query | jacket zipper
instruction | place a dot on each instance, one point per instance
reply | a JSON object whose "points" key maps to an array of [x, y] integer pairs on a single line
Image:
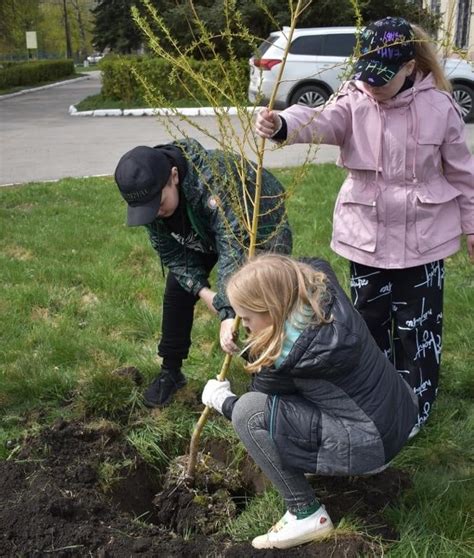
{"points": [[184, 244], [272, 415]]}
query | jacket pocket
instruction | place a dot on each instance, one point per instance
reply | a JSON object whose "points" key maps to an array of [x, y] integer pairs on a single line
{"points": [[437, 215], [431, 135], [428, 151], [273, 413], [355, 218]]}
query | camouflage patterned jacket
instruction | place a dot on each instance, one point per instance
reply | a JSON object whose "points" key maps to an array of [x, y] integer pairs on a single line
{"points": [[216, 206]]}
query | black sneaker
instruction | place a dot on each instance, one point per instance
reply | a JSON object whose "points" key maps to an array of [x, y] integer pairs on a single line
{"points": [[163, 387]]}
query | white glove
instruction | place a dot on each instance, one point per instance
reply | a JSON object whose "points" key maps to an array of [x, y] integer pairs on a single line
{"points": [[215, 393]]}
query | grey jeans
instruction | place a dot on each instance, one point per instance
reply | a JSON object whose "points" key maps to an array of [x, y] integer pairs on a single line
{"points": [[248, 421]]}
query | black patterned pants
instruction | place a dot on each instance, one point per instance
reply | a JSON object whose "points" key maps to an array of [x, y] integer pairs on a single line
{"points": [[403, 309]]}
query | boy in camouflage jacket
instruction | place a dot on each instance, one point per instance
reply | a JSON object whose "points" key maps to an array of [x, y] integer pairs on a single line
{"points": [[192, 202]]}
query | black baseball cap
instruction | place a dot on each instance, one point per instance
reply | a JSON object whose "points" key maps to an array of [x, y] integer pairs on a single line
{"points": [[385, 45], [141, 175]]}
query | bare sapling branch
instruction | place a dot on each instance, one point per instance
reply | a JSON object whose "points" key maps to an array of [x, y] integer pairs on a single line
{"points": [[195, 438]]}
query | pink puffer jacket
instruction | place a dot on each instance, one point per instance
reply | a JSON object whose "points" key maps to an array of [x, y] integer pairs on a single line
{"points": [[409, 194]]}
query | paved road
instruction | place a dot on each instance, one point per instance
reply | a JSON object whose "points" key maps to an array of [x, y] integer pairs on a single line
{"points": [[39, 140]]}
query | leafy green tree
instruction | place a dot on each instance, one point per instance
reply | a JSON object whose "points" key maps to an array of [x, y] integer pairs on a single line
{"points": [[17, 17], [80, 17], [46, 17], [114, 27], [52, 31], [413, 11], [327, 13], [263, 16]]}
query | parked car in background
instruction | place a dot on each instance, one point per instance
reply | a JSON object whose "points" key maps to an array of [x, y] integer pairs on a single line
{"points": [[95, 57], [461, 74], [317, 64]]}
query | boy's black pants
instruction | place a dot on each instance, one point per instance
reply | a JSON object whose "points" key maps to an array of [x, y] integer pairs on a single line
{"points": [[177, 318], [403, 309]]}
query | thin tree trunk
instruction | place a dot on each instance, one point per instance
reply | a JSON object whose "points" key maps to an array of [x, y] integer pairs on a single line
{"points": [[82, 31], [67, 31], [196, 435]]}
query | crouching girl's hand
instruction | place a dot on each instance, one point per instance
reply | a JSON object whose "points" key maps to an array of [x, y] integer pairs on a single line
{"points": [[215, 392]]}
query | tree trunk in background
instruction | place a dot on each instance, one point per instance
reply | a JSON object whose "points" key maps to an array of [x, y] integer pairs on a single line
{"points": [[68, 32], [82, 31]]}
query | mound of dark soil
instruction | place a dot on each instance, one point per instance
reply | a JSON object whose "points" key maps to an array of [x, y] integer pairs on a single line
{"points": [[58, 499]]}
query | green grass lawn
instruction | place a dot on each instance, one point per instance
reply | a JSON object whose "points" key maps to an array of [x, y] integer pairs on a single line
{"points": [[81, 296], [9, 90], [94, 102]]}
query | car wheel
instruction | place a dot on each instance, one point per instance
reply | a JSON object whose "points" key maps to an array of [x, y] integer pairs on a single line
{"points": [[309, 96], [464, 97]]}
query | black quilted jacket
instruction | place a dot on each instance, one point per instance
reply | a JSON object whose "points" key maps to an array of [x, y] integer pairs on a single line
{"points": [[336, 404]]}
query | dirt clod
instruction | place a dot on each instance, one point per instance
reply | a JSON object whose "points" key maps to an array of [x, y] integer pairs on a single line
{"points": [[186, 510], [210, 474], [203, 506], [129, 372]]}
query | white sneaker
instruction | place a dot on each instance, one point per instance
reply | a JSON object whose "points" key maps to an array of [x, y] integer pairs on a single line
{"points": [[290, 531]]}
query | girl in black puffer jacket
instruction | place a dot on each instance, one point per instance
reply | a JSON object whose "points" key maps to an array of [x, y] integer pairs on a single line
{"points": [[325, 399]]}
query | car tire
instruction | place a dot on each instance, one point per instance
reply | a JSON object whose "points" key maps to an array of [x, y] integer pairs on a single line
{"points": [[309, 96], [464, 96]]}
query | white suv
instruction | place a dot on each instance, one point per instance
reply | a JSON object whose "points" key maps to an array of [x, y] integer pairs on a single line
{"points": [[317, 64]]}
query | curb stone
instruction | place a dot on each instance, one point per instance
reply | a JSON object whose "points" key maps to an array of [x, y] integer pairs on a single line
{"points": [[198, 111]]}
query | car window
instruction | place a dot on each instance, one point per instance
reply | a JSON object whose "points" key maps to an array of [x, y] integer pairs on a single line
{"points": [[309, 44], [341, 44], [267, 43]]}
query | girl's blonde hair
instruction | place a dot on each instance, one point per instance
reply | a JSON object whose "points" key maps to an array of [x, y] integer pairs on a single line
{"points": [[426, 58], [280, 286]]}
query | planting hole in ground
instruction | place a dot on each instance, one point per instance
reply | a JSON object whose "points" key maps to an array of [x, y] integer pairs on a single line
{"points": [[78, 489]]}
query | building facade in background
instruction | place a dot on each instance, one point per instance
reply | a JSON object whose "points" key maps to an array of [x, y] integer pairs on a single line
{"points": [[458, 22]]}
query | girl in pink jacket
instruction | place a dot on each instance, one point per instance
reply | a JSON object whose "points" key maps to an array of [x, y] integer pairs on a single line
{"points": [[408, 196]]}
